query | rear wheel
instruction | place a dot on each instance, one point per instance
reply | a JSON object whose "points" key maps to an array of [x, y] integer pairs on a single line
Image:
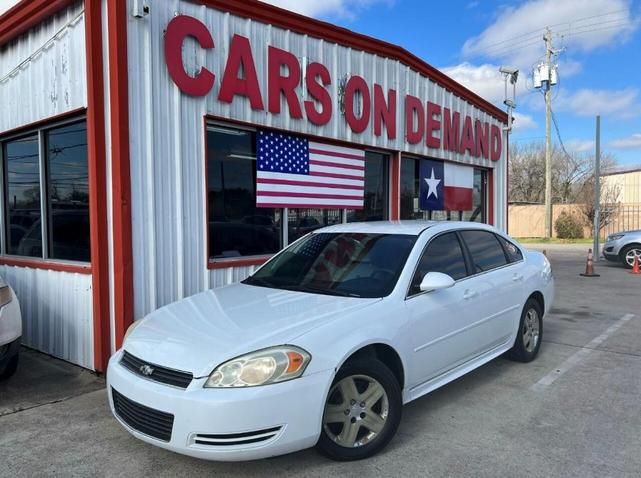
{"points": [[629, 253], [528, 339], [362, 411]]}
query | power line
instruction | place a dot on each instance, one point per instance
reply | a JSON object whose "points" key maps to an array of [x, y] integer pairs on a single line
{"points": [[536, 33]]}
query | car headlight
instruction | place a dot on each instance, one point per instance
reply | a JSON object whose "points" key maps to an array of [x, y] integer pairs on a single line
{"points": [[263, 367], [614, 237], [5, 295], [131, 328]]}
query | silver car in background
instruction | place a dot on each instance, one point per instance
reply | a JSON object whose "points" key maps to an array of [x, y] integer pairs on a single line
{"points": [[623, 247]]}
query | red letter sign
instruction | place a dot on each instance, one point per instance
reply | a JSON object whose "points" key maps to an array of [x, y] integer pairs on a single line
{"points": [[240, 59], [495, 140], [179, 28], [319, 93], [451, 129], [286, 85], [433, 124], [384, 111], [414, 132], [354, 84]]}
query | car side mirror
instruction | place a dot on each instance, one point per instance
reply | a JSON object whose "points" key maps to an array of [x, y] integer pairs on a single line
{"points": [[435, 281]]}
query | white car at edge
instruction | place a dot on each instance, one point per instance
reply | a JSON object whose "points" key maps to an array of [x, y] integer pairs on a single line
{"points": [[326, 341], [10, 330]]}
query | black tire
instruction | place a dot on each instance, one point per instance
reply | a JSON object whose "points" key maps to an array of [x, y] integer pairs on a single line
{"points": [[370, 368], [624, 252], [526, 345], [10, 369]]}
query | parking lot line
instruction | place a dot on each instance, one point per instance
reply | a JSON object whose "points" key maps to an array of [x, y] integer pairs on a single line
{"points": [[579, 356]]}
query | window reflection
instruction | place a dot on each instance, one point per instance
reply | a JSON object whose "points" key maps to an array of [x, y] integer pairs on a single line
{"points": [[376, 186], [22, 172], [66, 159], [236, 226]]}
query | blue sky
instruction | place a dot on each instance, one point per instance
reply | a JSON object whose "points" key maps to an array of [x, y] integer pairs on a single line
{"points": [[599, 67]]}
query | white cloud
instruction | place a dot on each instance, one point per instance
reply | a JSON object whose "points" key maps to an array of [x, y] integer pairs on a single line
{"points": [[484, 80], [320, 8], [522, 122], [590, 102], [516, 36], [631, 142], [579, 145], [6, 5]]}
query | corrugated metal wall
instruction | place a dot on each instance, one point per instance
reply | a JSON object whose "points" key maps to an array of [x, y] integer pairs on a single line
{"points": [[56, 311], [42, 74], [167, 146]]}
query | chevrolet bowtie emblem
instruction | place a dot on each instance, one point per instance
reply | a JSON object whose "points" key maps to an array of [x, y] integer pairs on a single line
{"points": [[146, 370]]}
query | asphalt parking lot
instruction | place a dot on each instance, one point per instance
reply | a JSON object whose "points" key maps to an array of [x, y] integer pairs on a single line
{"points": [[575, 411]]}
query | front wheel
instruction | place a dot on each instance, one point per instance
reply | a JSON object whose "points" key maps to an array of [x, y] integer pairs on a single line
{"points": [[628, 255], [528, 339], [362, 411]]}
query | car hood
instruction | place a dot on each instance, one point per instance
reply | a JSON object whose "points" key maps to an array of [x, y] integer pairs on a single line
{"points": [[200, 332]]}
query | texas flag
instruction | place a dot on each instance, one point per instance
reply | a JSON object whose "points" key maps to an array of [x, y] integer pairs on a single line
{"points": [[445, 186]]}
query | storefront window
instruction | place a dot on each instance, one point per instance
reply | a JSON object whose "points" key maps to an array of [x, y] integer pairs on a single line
{"points": [[236, 226], [22, 193], [375, 207], [66, 194], [302, 221], [410, 196], [66, 158]]}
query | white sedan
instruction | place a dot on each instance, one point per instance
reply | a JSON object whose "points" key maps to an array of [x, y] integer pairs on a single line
{"points": [[325, 342], [10, 331]]}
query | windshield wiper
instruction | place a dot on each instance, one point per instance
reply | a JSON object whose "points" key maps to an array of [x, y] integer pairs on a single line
{"points": [[313, 290]]}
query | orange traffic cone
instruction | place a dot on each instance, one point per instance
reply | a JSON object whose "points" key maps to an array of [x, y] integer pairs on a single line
{"points": [[589, 266], [636, 267]]}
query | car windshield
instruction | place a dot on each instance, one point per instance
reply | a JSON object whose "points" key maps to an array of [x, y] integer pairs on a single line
{"points": [[345, 264]]}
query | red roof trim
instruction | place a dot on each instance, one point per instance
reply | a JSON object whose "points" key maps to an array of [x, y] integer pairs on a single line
{"points": [[270, 14], [27, 14]]}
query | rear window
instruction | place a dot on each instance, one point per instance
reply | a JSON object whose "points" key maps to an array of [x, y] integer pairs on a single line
{"points": [[485, 249], [513, 252]]}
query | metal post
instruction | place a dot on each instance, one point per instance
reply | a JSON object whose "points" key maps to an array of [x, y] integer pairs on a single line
{"points": [[597, 189], [548, 135]]}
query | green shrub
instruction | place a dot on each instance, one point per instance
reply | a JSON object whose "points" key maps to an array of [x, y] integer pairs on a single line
{"points": [[568, 227]]}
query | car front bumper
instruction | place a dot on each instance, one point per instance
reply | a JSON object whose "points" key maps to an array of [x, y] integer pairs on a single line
{"points": [[611, 249], [292, 411]]}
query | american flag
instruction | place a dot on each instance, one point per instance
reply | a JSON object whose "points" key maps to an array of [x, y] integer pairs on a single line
{"points": [[295, 172]]}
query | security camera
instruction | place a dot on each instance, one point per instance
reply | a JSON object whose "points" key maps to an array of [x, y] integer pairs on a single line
{"points": [[508, 70]]}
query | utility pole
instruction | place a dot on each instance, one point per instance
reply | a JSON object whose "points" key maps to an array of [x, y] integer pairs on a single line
{"points": [[548, 132], [597, 189]]}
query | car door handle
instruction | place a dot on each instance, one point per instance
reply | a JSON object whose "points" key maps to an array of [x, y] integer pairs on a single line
{"points": [[517, 277], [469, 294]]}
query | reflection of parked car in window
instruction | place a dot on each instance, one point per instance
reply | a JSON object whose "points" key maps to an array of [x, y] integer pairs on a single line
{"points": [[235, 239], [10, 330], [69, 233]]}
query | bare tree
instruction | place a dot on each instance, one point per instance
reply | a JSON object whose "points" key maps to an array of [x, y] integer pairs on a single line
{"points": [[569, 173]]}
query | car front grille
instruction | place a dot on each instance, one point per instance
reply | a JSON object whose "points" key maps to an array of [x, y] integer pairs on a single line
{"points": [[148, 421], [155, 372], [231, 439]]}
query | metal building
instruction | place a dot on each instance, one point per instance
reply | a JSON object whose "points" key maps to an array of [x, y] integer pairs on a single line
{"points": [[128, 150]]}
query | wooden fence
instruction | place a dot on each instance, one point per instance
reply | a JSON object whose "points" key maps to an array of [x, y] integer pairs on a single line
{"points": [[529, 220]]}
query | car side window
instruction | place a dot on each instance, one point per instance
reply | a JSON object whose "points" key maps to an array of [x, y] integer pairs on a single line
{"points": [[443, 254], [513, 252], [485, 249]]}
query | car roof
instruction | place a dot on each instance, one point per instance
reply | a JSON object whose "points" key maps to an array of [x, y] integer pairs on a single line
{"points": [[409, 227]]}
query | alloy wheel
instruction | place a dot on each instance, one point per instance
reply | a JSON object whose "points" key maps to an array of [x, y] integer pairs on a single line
{"points": [[630, 256], [531, 330], [356, 411]]}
